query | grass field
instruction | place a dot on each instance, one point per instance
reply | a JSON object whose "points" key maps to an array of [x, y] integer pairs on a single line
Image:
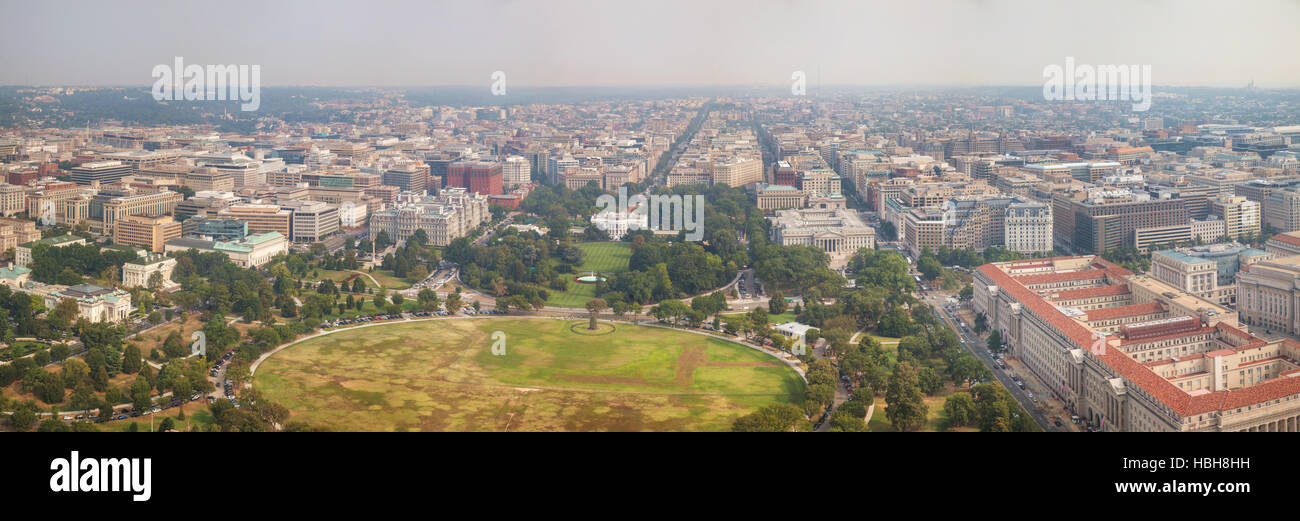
{"points": [[384, 277], [604, 257], [389, 281], [576, 296], [442, 376], [935, 419], [600, 257]]}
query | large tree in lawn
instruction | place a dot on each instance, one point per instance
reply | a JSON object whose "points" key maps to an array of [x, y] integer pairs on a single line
{"points": [[595, 306]]}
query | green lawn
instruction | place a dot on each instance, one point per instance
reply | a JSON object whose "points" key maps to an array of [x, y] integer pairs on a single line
{"points": [[934, 419], [385, 277], [576, 296], [389, 281], [21, 348], [442, 376], [604, 257]]}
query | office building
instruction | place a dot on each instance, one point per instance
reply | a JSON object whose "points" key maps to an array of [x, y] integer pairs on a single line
{"points": [[1241, 216], [261, 218], [517, 171], [312, 220], [13, 200], [1207, 271], [17, 231], [146, 232], [739, 171], [1104, 219], [205, 204], [215, 229], [1268, 295], [480, 177], [209, 179], [102, 172], [1282, 209], [250, 252], [23, 252], [109, 206], [1131, 353]]}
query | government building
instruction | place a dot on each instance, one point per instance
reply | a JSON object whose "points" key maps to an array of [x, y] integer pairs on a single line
{"points": [[1131, 353], [452, 214], [839, 232]]}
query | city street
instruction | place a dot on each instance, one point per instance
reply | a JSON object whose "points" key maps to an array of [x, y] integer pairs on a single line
{"points": [[979, 348]]}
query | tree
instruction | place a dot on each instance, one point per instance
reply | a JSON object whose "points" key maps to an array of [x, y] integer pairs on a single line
{"points": [[131, 359], [997, 411], [59, 352], [864, 395], [428, 299], [155, 281], [855, 408], [83, 397], [595, 306], [53, 425], [930, 382], [181, 390], [759, 319], [63, 314], [141, 398], [845, 421], [289, 309], [968, 369], [929, 267], [960, 409], [995, 341], [1129, 257], [779, 417], [24, 416], [101, 379], [174, 345], [777, 303], [905, 404]]}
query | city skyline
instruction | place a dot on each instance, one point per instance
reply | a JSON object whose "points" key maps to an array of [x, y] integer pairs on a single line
{"points": [[561, 44]]}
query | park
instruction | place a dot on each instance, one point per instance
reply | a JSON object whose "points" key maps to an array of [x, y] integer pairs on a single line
{"points": [[544, 375]]}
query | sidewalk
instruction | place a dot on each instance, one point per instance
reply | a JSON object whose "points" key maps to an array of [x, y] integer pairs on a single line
{"points": [[1051, 406]]}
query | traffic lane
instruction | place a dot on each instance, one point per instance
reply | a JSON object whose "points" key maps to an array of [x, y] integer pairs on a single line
{"points": [[1016, 392]]}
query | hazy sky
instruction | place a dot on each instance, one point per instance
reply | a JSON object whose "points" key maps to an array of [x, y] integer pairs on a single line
{"points": [[650, 42]]}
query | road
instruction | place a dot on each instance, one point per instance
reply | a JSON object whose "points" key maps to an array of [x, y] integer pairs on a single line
{"points": [[508, 220], [977, 346]]}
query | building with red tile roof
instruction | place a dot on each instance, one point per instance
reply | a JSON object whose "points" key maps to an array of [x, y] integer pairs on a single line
{"points": [[1284, 244], [1188, 366]]}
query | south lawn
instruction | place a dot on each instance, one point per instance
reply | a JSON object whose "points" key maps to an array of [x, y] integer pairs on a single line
{"points": [[442, 375]]}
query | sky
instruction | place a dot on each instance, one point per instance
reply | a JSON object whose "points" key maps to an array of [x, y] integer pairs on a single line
{"points": [[650, 42]]}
